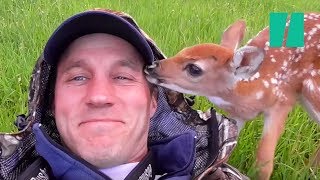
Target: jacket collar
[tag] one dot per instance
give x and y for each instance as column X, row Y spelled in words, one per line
column 170, row 157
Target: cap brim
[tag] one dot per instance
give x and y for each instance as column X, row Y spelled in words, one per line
column 94, row 22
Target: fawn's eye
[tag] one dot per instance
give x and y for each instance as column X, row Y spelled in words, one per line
column 194, row 70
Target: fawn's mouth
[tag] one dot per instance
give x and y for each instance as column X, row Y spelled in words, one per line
column 152, row 76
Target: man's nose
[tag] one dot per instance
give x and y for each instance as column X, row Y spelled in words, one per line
column 100, row 93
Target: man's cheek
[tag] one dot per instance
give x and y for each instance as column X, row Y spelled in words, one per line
column 140, row 95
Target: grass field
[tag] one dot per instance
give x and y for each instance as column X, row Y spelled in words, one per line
column 25, row 26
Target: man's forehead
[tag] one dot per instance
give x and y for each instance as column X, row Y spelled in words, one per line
column 124, row 52
column 98, row 40
column 104, row 41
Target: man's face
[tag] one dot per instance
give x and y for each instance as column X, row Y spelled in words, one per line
column 102, row 101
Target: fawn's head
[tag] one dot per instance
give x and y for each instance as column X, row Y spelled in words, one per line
column 206, row 69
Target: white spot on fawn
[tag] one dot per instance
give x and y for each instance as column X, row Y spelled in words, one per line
column 298, row 58
column 313, row 73
column 273, row 60
column 266, row 83
column 273, row 81
column 255, row 76
column 309, row 84
column 301, row 49
column 285, row 63
column 312, row 31
column 292, row 57
column 284, row 68
column 259, row 95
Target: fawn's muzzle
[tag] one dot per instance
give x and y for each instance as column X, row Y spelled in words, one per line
column 151, row 69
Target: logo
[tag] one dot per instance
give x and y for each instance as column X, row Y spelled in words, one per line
column 278, row 24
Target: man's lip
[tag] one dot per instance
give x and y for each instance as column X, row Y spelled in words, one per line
column 101, row 120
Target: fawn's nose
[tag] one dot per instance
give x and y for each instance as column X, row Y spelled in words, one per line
column 151, row 69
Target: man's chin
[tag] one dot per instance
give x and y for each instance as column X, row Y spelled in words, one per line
column 104, row 157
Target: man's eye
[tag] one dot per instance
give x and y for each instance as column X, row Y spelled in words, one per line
column 123, row 78
column 79, row 78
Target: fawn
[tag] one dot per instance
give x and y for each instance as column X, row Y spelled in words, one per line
column 253, row 79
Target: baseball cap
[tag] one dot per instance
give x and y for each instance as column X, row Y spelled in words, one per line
column 95, row 22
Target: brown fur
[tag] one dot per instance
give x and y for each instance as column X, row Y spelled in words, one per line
column 283, row 75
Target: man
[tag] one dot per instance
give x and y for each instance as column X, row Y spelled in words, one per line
column 94, row 115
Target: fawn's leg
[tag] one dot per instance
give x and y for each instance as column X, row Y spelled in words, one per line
column 274, row 123
column 310, row 97
column 310, row 101
column 240, row 125
column 315, row 161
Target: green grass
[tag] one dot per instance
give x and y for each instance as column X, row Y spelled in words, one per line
column 26, row 25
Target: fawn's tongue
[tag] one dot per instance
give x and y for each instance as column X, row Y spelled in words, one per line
column 154, row 80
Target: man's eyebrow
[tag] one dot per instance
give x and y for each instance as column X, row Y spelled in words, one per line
column 73, row 64
column 132, row 64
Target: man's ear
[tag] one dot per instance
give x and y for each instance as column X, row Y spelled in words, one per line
column 154, row 101
column 52, row 109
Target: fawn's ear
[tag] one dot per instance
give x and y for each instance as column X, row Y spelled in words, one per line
column 233, row 35
column 246, row 61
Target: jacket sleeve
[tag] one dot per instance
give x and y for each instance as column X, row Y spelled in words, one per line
column 39, row 169
column 222, row 141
